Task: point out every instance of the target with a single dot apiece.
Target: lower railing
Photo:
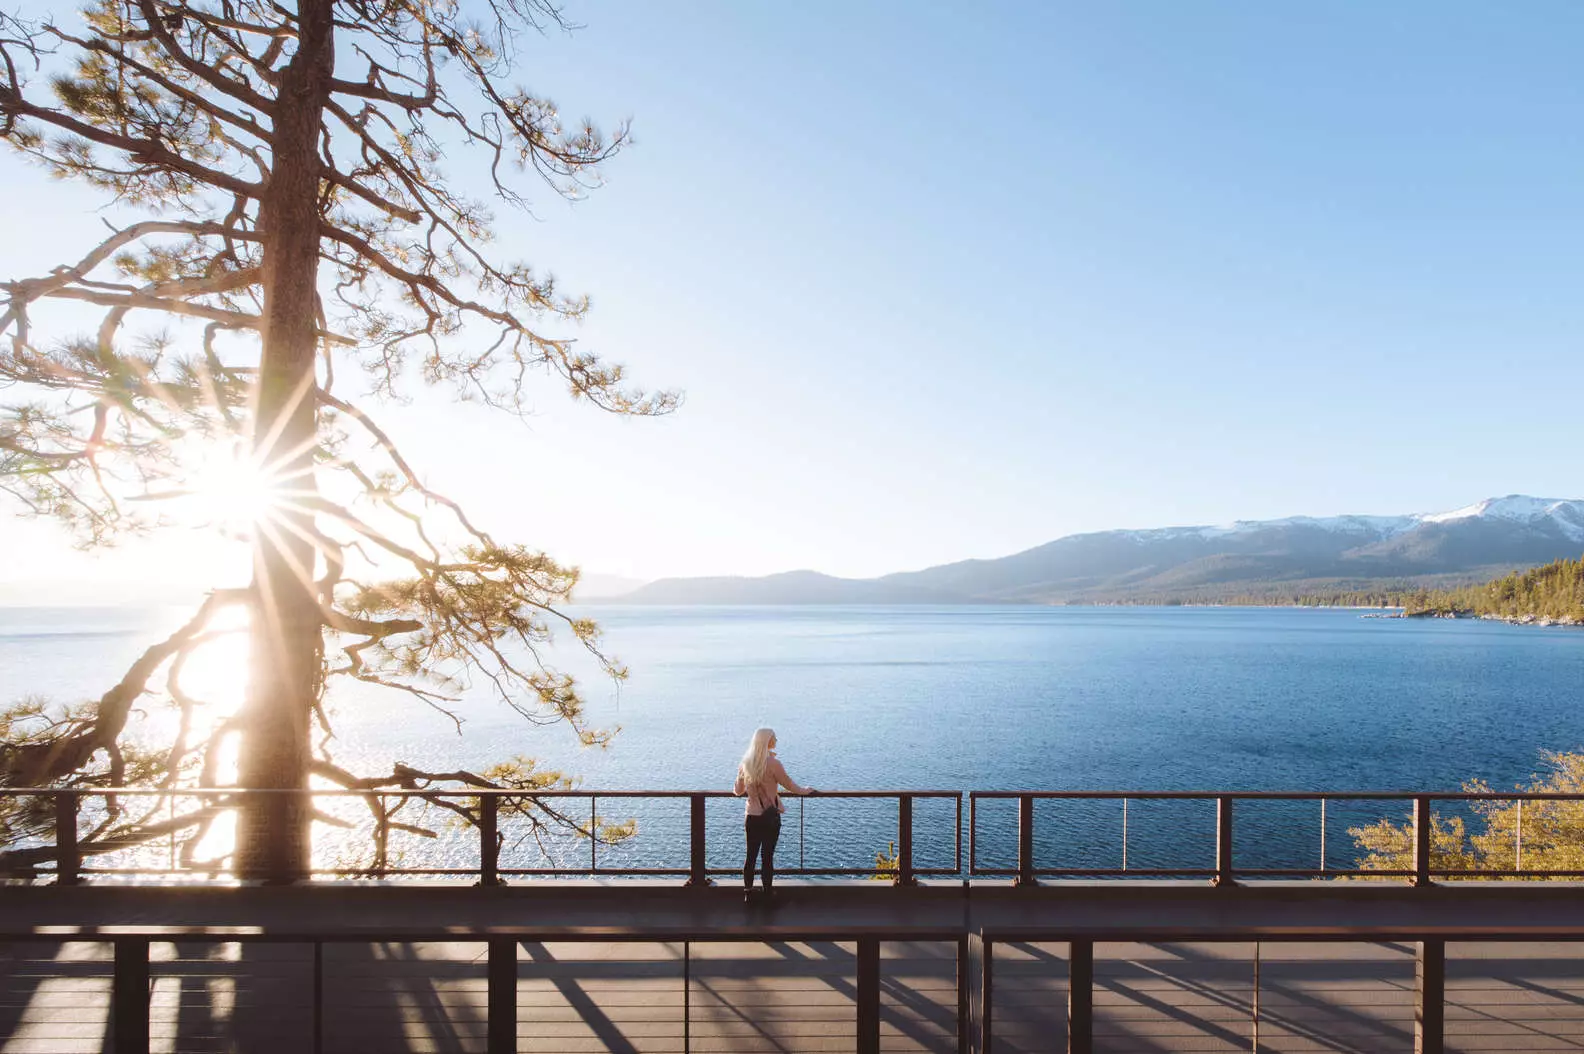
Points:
(129, 1020)
(1429, 999)
(128, 1025)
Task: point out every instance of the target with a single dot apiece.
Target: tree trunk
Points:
(286, 666)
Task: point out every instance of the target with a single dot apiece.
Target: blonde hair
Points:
(757, 757)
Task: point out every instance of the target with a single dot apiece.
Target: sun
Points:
(234, 491)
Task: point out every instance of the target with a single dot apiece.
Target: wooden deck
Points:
(645, 968)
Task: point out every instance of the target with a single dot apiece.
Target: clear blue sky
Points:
(953, 280)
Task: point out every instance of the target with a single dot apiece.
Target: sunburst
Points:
(234, 491)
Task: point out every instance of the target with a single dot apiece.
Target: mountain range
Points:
(1251, 560)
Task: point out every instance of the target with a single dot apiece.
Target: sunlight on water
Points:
(213, 679)
(215, 673)
(219, 841)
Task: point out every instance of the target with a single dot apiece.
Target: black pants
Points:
(763, 831)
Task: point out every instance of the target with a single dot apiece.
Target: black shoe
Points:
(771, 898)
(749, 896)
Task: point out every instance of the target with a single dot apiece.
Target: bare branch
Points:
(39, 764)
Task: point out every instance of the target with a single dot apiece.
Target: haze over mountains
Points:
(1266, 559)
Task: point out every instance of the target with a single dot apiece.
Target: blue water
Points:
(1171, 698)
(982, 698)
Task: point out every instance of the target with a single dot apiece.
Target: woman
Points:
(758, 778)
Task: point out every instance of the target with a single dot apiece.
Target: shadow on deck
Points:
(630, 967)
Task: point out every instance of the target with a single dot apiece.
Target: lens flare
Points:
(235, 492)
(215, 672)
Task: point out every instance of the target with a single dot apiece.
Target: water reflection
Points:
(214, 674)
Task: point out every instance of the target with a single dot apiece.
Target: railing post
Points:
(698, 875)
(905, 876)
(68, 860)
(976, 991)
(1421, 822)
(129, 996)
(489, 840)
(1124, 833)
(1080, 997)
(1322, 834)
(318, 999)
(868, 995)
(973, 830)
(802, 831)
(1223, 875)
(1254, 1003)
(1430, 997)
(502, 1005)
(966, 1039)
(1025, 840)
(1518, 840)
(957, 834)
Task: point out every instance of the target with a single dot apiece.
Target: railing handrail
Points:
(450, 792)
(585, 792)
(70, 856)
(1312, 795)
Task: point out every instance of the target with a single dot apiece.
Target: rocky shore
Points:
(1513, 620)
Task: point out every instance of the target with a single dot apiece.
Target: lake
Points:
(971, 698)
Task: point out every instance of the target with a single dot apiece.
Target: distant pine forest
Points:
(1551, 593)
(1316, 592)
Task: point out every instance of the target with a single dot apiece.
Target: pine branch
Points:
(155, 20)
(147, 152)
(42, 763)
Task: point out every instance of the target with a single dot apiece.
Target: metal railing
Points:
(1222, 868)
(130, 1004)
(63, 854)
(1429, 994)
(67, 858)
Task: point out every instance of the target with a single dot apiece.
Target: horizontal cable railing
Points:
(497, 833)
(987, 992)
(1231, 828)
(491, 835)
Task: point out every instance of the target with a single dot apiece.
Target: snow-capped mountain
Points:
(1540, 513)
(1246, 558)
(1566, 515)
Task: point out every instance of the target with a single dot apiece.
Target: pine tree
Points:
(288, 215)
(1553, 592)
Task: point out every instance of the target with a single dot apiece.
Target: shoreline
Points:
(1511, 620)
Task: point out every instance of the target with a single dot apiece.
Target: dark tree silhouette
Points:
(289, 217)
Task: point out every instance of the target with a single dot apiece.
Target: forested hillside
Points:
(1552, 593)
